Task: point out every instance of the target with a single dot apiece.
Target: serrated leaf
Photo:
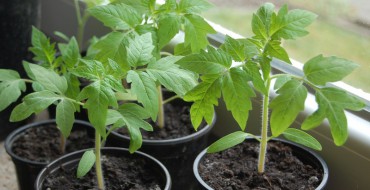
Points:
(253, 71)
(320, 70)
(48, 79)
(196, 30)
(136, 110)
(168, 26)
(181, 49)
(9, 75)
(205, 95)
(237, 95)
(194, 6)
(113, 46)
(142, 6)
(228, 141)
(146, 91)
(139, 51)
(117, 16)
(274, 49)
(70, 53)
(171, 76)
(89, 69)
(333, 101)
(302, 138)
(211, 62)
(11, 87)
(65, 116)
(286, 106)
(235, 48)
(258, 27)
(43, 50)
(86, 163)
(280, 81)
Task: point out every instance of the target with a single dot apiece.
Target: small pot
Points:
(72, 160)
(176, 154)
(304, 154)
(27, 170)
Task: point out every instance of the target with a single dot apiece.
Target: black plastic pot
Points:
(176, 154)
(72, 159)
(304, 154)
(27, 170)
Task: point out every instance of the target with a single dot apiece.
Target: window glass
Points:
(342, 29)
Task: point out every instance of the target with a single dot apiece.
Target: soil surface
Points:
(177, 124)
(121, 173)
(42, 144)
(236, 168)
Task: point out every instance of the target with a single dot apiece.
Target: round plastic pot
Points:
(71, 160)
(304, 154)
(27, 170)
(176, 154)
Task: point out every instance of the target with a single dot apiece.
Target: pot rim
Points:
(16, 133)
(58, 160)
(179, 140)
(320, 160)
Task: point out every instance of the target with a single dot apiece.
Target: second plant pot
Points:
(230, 167)
(29, 160)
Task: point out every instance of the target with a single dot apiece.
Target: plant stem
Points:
(62, 146)
(98, 167)
(160, 119)
(81, 20)
(264, 132)
(170, 99)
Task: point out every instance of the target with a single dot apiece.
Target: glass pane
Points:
(342, 29)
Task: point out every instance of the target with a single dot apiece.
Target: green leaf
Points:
(211, 62)
(205, 95)
(196, 30)
(320, 70)
(274, 49)
(94, 3)
(146, 91)
(89, 69)
(113, 46)
(181, 49)
(194, 6)
(139, 51)
(48, 79)
(117, 17)
(258, 27)
(70, 53)
(253, 71)
(168, 26)
(86, 163)
(303, 138)
(171, 76)
(235, 48)
(43, 50)
(287, 105)
(65, 116)
(280, 81)
(292, 24)
(20, 112)
(62, 36)
(11, 87)
(142, 6)
(314, 120)
(237, 94)
(136, 110)
(228, 141)
(332, 103)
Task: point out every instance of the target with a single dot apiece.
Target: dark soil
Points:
(236, 168)
(41, 144)
(177, 124)
(121, 173)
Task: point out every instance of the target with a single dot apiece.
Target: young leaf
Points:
(171, 76)
(237, 93)
(65, 116)
(86, 163)
(139, 51)
(274, 49)
(181, 49)
(301, 137)
(286, 106)
(332, 103)
(146, 91)
(48, 79)
(43, 50)
(228, 141)
(196, 30)
(142, 6)
(253, 71)
(235, 48)
(94, 3)
(10, 87)
(315, 119)
(211, 62)
(90, 69)
(117, 17)
(194, 6)
(168, 26)
(70, 53)
(280, 81)
(205, 95)
(320, 70)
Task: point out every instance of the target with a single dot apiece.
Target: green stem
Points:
(264, 132)
(98, 167)
(160, 119)
(170, 99)
(81, 20)
(164, 53)
(28, 80)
